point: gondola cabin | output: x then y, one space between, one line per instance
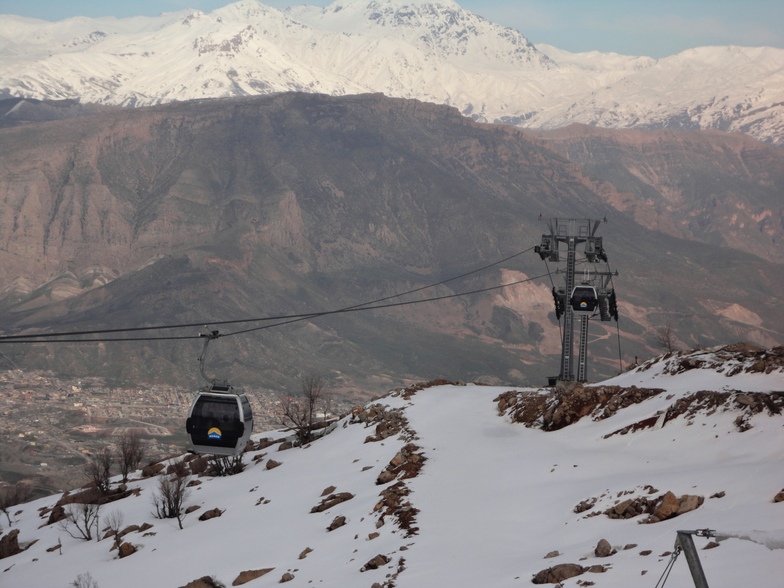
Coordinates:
219 422
584 300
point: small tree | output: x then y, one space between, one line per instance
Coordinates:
172 492
666 338
99 469
80 519
130 452
299 412
11 496
114 523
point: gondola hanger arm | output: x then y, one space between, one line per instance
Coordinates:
208 337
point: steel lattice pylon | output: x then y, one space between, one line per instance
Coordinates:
593 295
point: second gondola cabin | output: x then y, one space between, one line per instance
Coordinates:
584 300
219 422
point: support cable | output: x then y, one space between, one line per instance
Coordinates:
287 318
381 306
666 573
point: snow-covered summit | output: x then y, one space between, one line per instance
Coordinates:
435 485
434 51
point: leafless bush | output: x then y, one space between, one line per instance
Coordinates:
299 412
131 453
99 469
226 465
80 519
84 581
10 496
172 492
114 523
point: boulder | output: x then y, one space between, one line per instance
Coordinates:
603 549
688 503
779 497
558 574
9 544
336 523
375 563
332 500
126 549
667 507
211 514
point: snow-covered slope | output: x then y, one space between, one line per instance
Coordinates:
472 498
433 51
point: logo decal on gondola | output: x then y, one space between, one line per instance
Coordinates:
583 304
214 433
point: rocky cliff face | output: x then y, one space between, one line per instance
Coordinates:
202 212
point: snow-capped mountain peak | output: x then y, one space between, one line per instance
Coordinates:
434 51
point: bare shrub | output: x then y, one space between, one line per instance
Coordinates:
172 492
226 465
300 412
80 519
84 581
130 452
99 469
10 496
114 523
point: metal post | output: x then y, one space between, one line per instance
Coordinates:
582 357
684 541
567 349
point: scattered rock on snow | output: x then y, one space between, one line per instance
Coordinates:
336 523
203 582
305 553
126 549
375 563
9 544
558 573
211 514
332 500
249 575
603 549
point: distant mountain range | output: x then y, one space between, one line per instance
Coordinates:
432 51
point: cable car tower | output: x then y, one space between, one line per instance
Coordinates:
583 295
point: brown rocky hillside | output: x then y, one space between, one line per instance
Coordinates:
202 212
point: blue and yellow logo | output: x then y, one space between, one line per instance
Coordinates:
214 433
583 304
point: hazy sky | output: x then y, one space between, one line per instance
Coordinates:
631 27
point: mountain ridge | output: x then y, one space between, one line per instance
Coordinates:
435 52
293 204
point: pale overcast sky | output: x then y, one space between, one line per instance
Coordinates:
655 29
